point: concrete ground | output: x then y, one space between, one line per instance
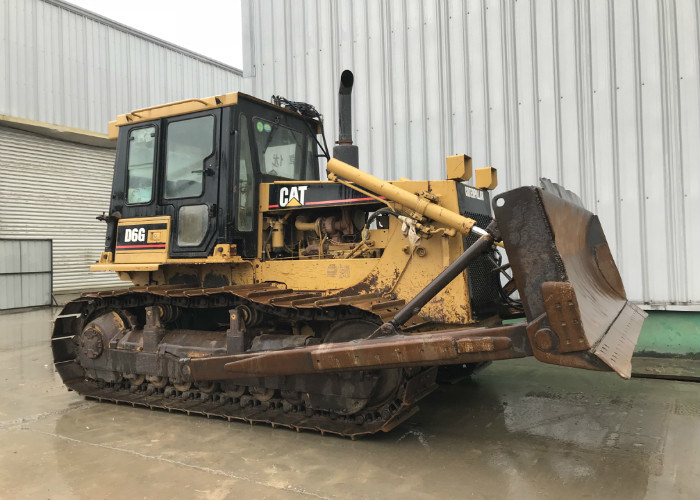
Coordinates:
520 429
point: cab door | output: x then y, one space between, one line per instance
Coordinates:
190 181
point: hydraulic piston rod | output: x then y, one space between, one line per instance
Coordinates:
405 198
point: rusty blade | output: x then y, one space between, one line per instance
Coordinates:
616 347
570 286
611 323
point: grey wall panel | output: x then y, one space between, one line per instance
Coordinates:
602 96
36 256
35 289
60 64
9 285
25 273
11 261
52 189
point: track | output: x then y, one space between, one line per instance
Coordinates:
245 403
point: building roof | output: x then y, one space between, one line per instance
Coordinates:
132 31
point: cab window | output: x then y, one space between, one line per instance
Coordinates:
141 156
311 160
189 143
245 210
282 152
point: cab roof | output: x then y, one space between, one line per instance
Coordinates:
182 108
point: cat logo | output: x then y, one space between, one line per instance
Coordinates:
292 196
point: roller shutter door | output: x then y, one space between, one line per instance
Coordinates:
52 189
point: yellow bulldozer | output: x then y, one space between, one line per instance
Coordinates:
262 293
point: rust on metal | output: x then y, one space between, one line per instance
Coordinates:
562 309
571 290
397 351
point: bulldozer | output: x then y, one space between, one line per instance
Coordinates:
262 293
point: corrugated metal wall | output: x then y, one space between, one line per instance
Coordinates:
60 64
52 189
601 95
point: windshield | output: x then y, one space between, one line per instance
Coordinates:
189 143
142 147
284 152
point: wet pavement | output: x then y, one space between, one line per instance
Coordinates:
520 429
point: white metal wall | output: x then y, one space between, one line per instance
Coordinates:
63 65
52 189
602 96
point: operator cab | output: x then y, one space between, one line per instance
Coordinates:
202 169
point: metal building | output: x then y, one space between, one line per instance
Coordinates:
64 73
602 96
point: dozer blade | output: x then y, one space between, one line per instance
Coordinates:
576 306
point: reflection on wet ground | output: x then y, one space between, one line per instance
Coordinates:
520 429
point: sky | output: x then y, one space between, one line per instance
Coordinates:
209 27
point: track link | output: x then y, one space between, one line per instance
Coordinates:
273 412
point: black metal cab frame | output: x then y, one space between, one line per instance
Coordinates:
220 179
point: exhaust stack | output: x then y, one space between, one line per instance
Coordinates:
345 151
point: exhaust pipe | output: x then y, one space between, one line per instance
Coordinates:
345 151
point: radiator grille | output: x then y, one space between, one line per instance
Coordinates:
483 284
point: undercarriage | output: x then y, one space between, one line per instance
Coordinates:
105 351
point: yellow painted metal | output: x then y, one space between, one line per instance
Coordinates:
277 228
217 258
106 258
137 221
401 271
420 267
238 273
212 259
223 253
316 274
156 236
378 237
146 255
124 267
314 227
264 197
170 109
112 130
486 178
459 167
183 107
363 191
444 192
405 198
